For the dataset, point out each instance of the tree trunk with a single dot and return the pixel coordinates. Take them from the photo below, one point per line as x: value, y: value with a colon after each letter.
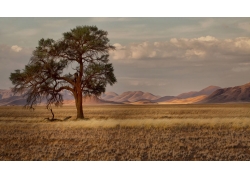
x: 78, y: 86
x: 80, y: 114
x: 78, y: 102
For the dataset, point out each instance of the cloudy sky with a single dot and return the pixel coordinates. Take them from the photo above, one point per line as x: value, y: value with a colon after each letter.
x: 164, y: 56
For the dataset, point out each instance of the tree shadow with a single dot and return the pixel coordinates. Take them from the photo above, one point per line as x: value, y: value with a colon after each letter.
x: 55, y: 119
x: 66, y: 119
x: 82, y: 119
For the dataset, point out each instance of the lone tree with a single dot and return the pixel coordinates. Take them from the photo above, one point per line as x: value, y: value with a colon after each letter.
x: 85, y: 50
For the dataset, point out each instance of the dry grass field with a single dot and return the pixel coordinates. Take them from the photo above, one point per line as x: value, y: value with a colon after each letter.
x: 127, y: 132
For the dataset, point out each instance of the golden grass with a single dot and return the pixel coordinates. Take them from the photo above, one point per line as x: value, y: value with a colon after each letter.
x: 124, y: 112
x: 127, y: 132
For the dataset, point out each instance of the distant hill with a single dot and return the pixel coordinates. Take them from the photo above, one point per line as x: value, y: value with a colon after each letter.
x: 8, y: 98
x: 206, y: 91
x: 4, y: 93
x: 13, y: 100
x: 131, y: 96
x: 190, y: 100
x: 90, y: 100
x: 231, y: 94
x: 210, y: 94
x: 143, y: 101
x: 17, y: 102
x: 188, y: 97
x: 108, y: 95
x: 164, y: 98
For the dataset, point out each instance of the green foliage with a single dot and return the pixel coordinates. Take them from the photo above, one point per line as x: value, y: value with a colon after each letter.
x: 86, y: 46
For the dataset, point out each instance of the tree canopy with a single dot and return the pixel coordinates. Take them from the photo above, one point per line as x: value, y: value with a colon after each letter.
x: 84, y: 50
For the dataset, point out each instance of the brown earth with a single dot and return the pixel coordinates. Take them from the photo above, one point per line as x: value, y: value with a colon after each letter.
x: 128, y: 132
x: 179, y: 143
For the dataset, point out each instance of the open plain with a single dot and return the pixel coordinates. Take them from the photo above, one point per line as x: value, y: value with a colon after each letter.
x: 127, y: 132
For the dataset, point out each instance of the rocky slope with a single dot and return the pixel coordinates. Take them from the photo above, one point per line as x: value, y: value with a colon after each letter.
x: 131, y: 96
x: 190, y: 100
x: 230, y: 94
x: 206, y: 91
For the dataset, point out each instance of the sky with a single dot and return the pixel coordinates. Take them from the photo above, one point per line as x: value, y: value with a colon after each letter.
x: 163, y: 56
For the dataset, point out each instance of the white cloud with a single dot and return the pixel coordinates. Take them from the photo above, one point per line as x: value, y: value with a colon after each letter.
x: 243, y: 43
x: 183, y: 49
x: 207, y: 38
x: 119, y: 46
x: 195, y: 52
x: 16, y: 48
x: 123, y: 54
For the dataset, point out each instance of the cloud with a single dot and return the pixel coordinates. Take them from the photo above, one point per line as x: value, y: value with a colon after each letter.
x: 195, y: 52
x: 123, y: 54
x: 16, y: 48
x: 201, y: 48
x: 207, y: 39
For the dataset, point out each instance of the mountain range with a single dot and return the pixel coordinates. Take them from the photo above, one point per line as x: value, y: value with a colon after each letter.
x: 210, y: 94
x: 206, y: 91
x: 129, y: 96
x: 229, y: 95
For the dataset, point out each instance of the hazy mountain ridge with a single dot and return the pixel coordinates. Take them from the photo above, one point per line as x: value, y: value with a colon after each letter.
x: 190, y: 100
x: 108, y: 95
x: 206, y: 91
x: 164, y: 98
x: 230, y: 94
x: 8, y: 98
x: 130, y: 96
x: 4, y: 93
x: 12, y: 100
x: 210, y: 94
x: 89, y: 100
